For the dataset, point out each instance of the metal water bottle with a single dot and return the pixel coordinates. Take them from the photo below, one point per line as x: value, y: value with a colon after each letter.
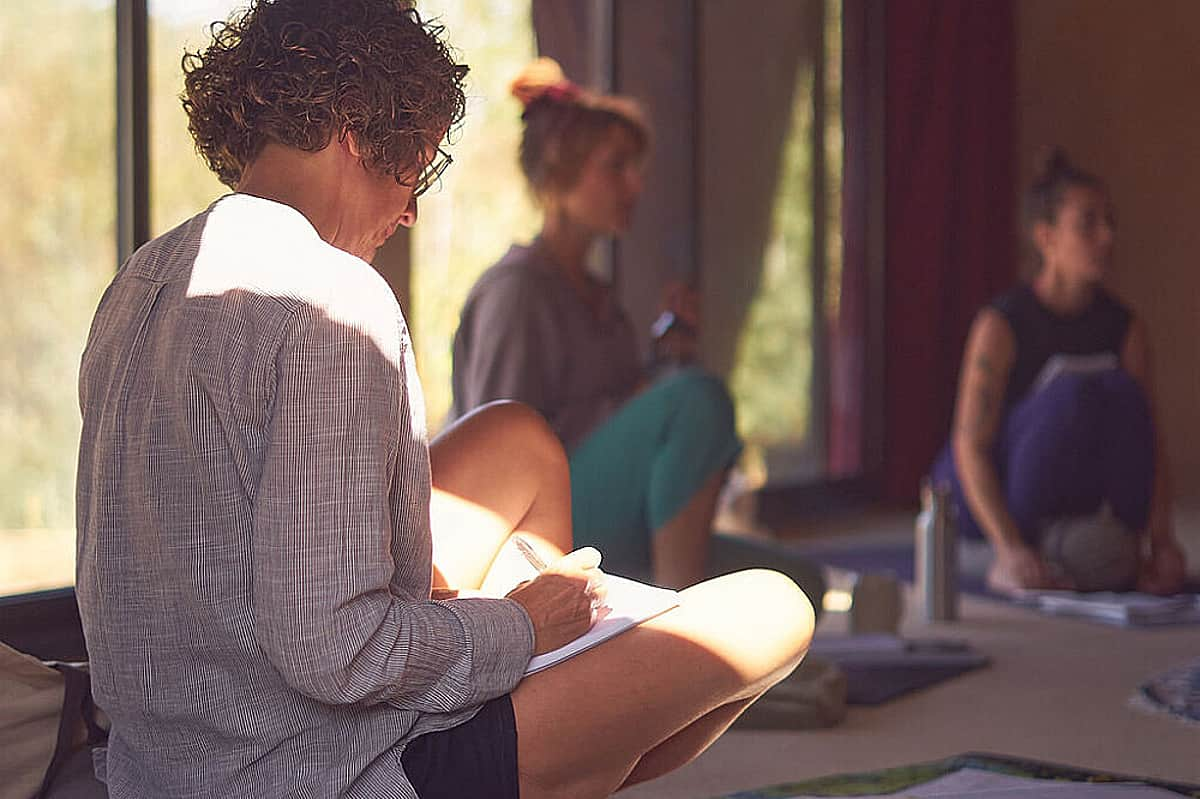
x: 936, y: 568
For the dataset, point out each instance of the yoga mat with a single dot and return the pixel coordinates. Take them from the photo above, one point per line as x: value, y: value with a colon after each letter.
x: 1175, y: 693
x: 898, y: 559
x: 874, y: 684
x: 901, y: 777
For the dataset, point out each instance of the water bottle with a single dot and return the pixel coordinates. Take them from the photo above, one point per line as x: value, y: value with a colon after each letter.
x: 936, y: 568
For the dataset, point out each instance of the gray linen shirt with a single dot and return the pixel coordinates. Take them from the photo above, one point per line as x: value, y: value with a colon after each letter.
x: 526, y: 334
x: 254, y: 552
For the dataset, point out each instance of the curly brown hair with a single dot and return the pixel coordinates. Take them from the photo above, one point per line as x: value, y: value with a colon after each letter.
x: 299, y: 72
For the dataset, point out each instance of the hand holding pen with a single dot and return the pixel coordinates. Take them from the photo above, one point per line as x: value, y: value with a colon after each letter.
x: 565, y: 597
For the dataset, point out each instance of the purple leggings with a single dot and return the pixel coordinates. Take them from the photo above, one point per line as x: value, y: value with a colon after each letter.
x: 1066, y: 449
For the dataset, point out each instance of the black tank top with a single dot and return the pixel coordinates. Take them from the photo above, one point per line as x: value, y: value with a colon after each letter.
x: 1040, y: 333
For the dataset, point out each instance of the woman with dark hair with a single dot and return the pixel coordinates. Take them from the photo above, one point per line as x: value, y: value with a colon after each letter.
x: 649, y: 449
x: 1053, y: 458
x: 279, y: 580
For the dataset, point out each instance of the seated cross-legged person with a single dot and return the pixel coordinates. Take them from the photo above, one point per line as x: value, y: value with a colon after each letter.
x: 279, y: 579
x: 1054, y: 458
x: 648, y: 452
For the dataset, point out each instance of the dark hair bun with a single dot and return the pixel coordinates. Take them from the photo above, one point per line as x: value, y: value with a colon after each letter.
x: 1053, y: 166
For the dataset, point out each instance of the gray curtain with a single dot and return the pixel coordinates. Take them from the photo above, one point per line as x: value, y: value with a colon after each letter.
x: 563, y: 29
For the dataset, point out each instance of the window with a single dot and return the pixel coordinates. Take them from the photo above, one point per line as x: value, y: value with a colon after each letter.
x: 58, y: 110
x: 181, y: 184
x: 780, y: 376
x: 481, y: 206
x: 58, y: 251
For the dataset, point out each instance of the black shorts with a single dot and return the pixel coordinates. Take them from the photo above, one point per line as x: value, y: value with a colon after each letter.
x: 476, y: 759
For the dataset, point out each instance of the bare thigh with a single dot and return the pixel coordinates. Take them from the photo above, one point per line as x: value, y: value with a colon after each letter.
x: 498, y: 470
x: 584, y: 724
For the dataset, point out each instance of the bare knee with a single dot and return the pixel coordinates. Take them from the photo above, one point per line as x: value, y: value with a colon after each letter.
x: 507, y: 423
x: 759, y: 620
x: 781, y: 604
x: 507, y: 432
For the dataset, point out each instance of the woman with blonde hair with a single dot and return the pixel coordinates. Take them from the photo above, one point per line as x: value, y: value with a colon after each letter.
x: 649, y: 448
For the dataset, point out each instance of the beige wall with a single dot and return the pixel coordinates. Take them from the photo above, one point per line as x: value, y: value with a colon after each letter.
x: 1115, y: 82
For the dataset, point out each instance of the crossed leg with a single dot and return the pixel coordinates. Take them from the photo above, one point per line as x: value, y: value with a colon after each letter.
x: 499, y: 470
x: 638, y: 705
x: 650, y: 700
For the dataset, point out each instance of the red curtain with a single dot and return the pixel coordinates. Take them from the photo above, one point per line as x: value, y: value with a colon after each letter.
x: 951, y: 233
x: 849, y: 329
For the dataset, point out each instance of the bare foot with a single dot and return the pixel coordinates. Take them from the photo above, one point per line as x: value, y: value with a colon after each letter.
x: 1164, y: 571
x: 1019, y: 569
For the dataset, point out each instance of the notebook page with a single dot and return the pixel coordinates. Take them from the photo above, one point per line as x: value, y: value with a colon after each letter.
x: 631, y: 604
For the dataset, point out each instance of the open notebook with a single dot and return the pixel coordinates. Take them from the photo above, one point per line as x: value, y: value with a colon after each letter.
x: 629, y: 603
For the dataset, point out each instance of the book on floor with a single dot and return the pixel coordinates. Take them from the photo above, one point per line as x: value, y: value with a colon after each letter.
x: 1122, y: 609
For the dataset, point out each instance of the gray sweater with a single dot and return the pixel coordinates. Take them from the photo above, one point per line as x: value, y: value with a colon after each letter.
x: 526, y: 334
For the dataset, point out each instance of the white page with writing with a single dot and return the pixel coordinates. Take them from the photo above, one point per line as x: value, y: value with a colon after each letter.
x: 630, y: 603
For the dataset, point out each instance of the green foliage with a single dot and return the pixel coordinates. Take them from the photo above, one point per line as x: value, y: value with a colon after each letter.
x: 181, y: 184
x: 481, y: 207
x: 58, y: 211
x: 58, y: 250
x: 772, y: 376
x: 772, y: 379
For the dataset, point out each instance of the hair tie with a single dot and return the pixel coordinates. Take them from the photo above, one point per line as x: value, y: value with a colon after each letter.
x: 564, y: 92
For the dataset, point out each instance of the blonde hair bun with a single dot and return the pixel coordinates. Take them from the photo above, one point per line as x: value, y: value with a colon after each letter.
x: 538, y: 77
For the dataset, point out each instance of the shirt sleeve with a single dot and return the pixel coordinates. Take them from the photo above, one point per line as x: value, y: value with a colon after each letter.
x: 508, y: 347
x: 341, y: 544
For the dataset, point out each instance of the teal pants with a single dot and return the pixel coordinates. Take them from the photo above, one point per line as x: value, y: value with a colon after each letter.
x: 637, y: 470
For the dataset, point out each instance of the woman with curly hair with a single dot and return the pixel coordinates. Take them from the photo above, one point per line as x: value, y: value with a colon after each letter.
x: 283, y: 588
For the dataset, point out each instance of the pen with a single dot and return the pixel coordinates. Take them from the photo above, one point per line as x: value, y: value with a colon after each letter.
x: 531, y: 555
x: 535, y: 560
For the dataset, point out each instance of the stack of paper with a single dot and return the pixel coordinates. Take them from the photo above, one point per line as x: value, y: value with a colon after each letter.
x: 1134, y: 610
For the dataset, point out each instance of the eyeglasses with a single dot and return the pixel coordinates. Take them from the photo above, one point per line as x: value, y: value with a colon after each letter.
x: 429, y: 175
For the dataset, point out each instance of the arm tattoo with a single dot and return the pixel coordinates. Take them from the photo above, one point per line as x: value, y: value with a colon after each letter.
x: 983, y: 417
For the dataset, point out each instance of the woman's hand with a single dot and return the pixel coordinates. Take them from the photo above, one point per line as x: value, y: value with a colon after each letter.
x: 1018, y: 568
x: 1164, y: 571
x: 563, y: 599
x: 674, y: 335
x: 682, y: 300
